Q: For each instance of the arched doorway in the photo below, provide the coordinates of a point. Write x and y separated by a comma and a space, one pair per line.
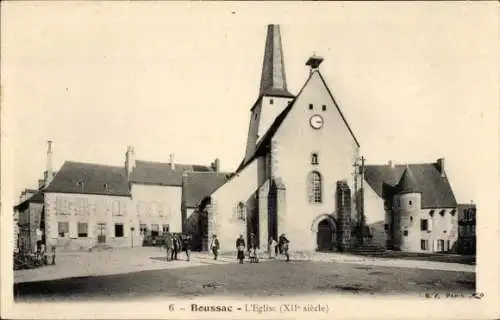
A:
325, 229
325, 236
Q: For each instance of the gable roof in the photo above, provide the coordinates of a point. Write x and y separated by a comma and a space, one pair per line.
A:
159, 173
198, 185
88, 178
263, 146
436, 190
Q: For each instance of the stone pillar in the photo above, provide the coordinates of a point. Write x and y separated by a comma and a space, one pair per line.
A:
344, 215
281, 206
263, 215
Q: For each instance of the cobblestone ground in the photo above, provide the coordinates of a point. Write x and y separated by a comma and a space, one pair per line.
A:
143, 272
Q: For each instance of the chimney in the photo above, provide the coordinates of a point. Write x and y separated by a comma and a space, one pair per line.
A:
49, 173
313, 62
440, 167
216, 165
172, 164
129, 160
391, 164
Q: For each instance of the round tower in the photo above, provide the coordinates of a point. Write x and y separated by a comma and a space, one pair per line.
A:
406, 208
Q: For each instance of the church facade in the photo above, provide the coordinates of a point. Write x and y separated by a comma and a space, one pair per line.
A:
297, 175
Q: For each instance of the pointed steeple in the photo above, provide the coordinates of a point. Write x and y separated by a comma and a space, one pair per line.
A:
273, 79
407, 182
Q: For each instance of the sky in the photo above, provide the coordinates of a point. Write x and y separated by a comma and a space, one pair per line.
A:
415, 81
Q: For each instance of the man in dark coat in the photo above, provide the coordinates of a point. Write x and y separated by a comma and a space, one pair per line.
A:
176, 246
214, 246
186, 244
240, 246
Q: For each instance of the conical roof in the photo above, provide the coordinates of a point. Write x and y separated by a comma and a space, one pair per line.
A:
273, 79
407, 182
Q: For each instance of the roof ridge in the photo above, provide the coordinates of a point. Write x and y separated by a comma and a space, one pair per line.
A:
91, 164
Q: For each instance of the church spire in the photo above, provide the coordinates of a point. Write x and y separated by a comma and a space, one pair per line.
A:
273, 79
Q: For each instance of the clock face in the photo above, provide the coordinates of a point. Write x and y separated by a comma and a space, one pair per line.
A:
316, 121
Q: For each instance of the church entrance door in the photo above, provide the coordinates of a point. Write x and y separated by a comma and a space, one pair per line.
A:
325, 236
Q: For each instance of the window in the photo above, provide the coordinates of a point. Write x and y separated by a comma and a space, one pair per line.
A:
271, 101
314, 187
143, 228
431, 213
165, 228
440, 245
452, 212
310, 106
448, 247
424, 245
442, 212
410, 202
314, 158
82, 230
411, 219
62, 228
424, 225
240, 211
405, 233
323, 108
386, 227
155, 228
118, 230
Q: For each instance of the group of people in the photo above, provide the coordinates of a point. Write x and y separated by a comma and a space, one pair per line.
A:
175, 243
274, 248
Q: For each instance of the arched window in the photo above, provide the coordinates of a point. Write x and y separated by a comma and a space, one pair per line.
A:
314, 158
240, 211
314, 187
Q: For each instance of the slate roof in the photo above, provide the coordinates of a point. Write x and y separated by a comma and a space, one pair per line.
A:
436, 190
88, 178
198, 185
407, 183
159, 173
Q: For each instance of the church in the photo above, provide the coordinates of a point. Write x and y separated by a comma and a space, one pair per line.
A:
302, 175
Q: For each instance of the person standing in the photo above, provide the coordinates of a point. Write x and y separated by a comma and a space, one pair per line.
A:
272, 248
252, 249
175, 246
168, 245
214, 246
186, 245
283, 243
240, 246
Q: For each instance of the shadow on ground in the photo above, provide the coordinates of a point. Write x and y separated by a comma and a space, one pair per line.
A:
273, 278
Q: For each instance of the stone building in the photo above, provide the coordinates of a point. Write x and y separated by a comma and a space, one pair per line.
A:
416, 203
86, 205
28, 222
296, 177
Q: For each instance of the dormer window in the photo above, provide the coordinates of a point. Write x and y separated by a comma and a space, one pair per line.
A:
310, 106
106, 187
314, 158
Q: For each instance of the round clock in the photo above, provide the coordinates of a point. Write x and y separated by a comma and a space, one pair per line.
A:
316, 121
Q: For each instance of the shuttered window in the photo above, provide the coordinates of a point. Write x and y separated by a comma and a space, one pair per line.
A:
83, 229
